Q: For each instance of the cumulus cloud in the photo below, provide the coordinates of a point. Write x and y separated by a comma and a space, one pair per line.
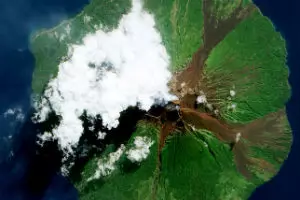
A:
141, 149
107, 165
86, 19
201, 99
108, 73
46, 136
101, 135
17, 113
232, 93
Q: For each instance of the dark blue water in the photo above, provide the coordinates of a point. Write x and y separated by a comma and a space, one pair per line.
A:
18, 18
285, 15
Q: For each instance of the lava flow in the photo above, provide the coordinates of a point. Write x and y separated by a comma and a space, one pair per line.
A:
268, 130
187, 114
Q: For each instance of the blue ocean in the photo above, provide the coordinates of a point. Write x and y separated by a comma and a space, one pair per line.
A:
19, 18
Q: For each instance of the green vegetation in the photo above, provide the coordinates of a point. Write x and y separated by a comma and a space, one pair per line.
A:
50, 47
195, 165
252, 57
190, 170
274, 153
225, 7
129, 180
180, 23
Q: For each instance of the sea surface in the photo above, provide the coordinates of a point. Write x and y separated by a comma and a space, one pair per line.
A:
19, 18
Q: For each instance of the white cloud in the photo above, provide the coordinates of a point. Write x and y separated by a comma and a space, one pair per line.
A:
209, 106
237, 137
101, 135
43, 109
138, 73
141, 149
62, 37
42, 138
9, 112
107, 165
233, 106
65, 169
232, 93
201, 99
17, 113
68, 29
86, 19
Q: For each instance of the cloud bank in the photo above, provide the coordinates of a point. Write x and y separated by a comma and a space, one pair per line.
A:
106, 74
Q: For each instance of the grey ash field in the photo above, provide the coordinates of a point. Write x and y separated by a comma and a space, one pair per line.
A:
164, 99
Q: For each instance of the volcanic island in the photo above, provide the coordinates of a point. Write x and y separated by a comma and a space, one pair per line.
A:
192, 99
